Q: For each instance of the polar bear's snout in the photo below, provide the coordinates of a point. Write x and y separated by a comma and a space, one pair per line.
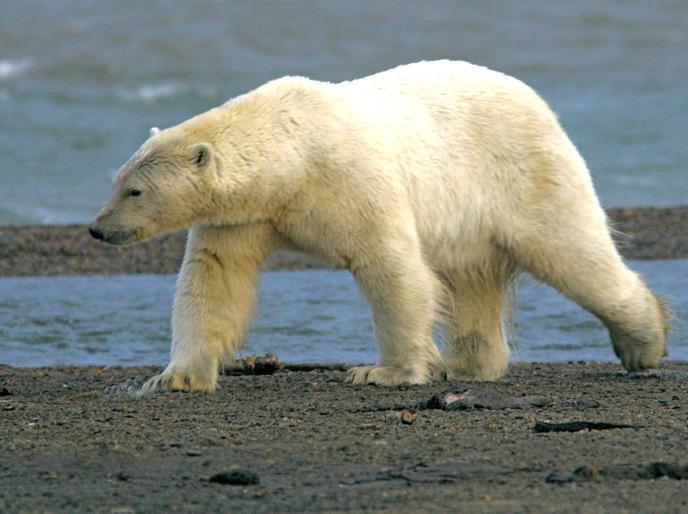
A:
110, 231
113, 237
95, 232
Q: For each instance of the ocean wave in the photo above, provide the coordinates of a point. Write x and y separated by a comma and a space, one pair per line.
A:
149, 93
13, 68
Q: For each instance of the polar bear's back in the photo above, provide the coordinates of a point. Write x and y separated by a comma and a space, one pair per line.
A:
455, 118
449, 138
454, 103
455, 75
445, 85
463, 135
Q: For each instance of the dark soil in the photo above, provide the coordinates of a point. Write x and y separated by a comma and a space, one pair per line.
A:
75, 439
70, 250
643, 233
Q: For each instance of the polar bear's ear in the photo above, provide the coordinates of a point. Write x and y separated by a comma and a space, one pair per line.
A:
154, 130
201, 154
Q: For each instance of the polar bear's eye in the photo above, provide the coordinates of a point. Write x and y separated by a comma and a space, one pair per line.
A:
135, 192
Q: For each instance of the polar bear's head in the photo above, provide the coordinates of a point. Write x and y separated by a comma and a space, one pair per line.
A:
235, 164
166, 185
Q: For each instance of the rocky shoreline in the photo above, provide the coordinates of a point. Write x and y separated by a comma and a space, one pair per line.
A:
578, 437
642, 233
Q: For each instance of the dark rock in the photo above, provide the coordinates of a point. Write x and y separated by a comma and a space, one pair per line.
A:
560, 478
468, 399
651, 471
576, 426
664, 469
258, 365
235, 477
4, 392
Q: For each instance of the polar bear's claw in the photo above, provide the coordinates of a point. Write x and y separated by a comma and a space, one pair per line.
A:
386, 376
176, 382
358, 375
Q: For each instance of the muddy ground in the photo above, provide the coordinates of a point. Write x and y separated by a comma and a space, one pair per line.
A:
641, 233
74, 439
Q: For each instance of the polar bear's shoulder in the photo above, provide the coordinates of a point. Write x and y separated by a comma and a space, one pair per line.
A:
438, 71
284, 92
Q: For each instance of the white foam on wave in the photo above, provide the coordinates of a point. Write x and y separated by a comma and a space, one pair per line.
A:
13, 68
151, 92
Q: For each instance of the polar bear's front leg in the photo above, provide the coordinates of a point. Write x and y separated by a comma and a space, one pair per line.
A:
401, 291
215, 297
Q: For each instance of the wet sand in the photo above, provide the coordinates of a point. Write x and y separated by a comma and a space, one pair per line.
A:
642, 233
73, 439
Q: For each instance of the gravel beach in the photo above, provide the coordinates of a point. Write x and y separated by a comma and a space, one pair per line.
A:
642, 233
570, 438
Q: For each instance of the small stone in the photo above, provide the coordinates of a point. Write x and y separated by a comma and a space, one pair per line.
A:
560, 478
235, 477
193, 453
577, 426
408, 416
122, 510
259, 365
457, 398
4, 392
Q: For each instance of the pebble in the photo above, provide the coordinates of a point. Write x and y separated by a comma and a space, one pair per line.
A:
457, 398
576, 426
408, 416
235, 477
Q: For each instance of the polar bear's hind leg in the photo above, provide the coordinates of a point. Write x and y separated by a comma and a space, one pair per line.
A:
572, 250
475, 345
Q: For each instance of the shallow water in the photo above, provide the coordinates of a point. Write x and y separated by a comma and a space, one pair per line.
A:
303, 316
82, 82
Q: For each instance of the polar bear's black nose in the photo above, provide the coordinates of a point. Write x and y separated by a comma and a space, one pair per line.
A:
95, 233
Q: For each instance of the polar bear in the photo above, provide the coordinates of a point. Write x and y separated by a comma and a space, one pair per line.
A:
433, 183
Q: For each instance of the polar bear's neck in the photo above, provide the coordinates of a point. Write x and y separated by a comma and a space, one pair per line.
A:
260, 138
257, 126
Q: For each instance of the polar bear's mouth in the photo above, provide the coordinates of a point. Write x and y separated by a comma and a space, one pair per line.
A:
121, 237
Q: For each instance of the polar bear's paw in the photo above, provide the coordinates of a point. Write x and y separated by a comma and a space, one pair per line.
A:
386, 375
176, 381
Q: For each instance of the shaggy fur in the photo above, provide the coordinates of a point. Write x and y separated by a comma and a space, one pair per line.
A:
432, 183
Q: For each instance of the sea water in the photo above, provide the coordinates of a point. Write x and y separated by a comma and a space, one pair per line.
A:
303, 316
81, 82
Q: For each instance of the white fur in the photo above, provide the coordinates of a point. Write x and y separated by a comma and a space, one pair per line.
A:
433, 183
